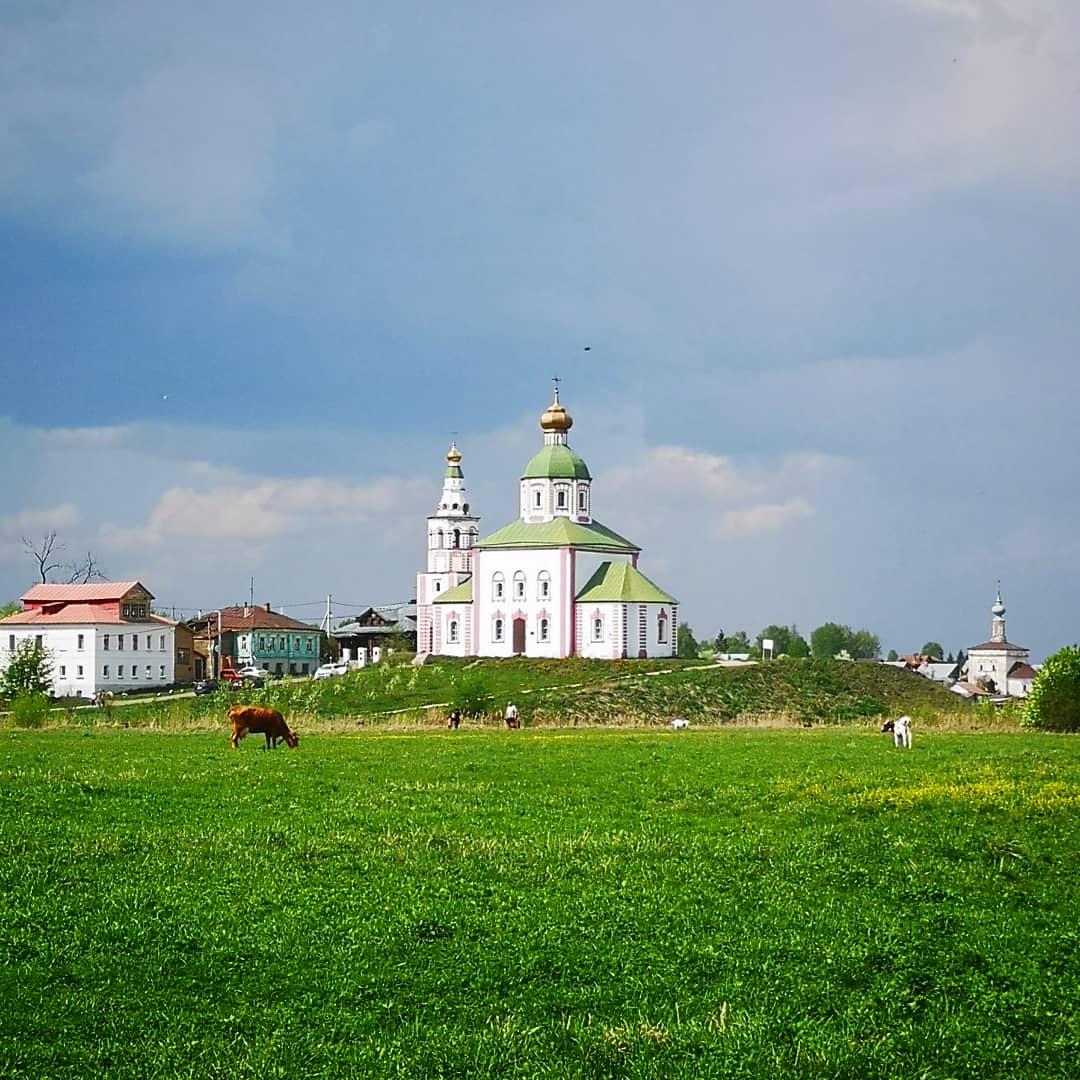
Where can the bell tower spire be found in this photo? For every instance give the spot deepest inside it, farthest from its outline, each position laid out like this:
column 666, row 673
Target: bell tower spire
column 997, row 626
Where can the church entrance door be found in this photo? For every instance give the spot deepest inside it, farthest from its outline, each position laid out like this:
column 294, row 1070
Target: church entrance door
column 519, row 637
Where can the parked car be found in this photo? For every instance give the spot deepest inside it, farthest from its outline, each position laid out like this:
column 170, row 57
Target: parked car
column 329, row 671
column 254, row 676
column 205, row 686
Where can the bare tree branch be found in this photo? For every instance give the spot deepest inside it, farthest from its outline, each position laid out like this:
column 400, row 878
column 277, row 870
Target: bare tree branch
column 84, row 571
column 42, row 552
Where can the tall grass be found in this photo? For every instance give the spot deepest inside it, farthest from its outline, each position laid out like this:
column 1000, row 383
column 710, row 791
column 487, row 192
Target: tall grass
column 539, row 903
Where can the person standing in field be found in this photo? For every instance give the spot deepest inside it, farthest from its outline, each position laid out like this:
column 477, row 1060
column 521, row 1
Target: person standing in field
column 453, row 721
column 511, row 715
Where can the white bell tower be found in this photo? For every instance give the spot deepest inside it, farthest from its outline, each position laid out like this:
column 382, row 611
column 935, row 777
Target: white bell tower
column 452, row 534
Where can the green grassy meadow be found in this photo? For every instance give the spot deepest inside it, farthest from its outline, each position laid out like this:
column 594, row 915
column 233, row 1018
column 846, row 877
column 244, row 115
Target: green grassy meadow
column 623, row 903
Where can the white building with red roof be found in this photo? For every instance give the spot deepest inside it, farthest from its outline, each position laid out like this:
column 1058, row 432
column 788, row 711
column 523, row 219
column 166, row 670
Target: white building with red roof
column 100, row 636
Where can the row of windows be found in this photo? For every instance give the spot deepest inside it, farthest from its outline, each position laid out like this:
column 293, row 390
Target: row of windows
column 134, row 611
column 562, row 499
column 455, row 539
column 119, row 671
column 543, row 629
column 307, row 644
column 543, row 586
column 106, row 642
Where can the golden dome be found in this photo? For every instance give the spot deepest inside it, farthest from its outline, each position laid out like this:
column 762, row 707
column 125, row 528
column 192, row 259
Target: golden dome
column 555, row 417
column 453, row 455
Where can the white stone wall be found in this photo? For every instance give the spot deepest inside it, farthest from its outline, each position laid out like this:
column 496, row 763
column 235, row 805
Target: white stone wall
column 609, row 644
column 445, row 615
column 532, row 605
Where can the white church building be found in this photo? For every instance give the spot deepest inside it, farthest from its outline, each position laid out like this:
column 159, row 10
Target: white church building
column 553, row 583
column 999, row 665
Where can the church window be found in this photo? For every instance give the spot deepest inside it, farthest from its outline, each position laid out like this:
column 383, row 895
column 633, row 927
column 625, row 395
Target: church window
column 497, row 630
column 545, row 629
column 457, row 539
column 438, row 586
column 519, row 586
column 560, row 499
column 583, row 500
column 544, row 585
column 598, row 629
column 438, row 538
column 538, row 498
column 497, row 586
column 452, row 635
column 661, row 628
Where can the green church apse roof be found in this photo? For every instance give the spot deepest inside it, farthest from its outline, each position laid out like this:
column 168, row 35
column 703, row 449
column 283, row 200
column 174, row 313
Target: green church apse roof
column 621, row 583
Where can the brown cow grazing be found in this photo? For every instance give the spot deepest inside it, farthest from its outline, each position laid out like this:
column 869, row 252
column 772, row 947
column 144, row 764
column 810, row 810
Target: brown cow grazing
column 269, row 722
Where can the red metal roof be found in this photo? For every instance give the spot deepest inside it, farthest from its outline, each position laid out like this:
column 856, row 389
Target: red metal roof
column 997, row 646
column 68, row 615
column 246, row 619
column 94, row 591
column 1022, row 671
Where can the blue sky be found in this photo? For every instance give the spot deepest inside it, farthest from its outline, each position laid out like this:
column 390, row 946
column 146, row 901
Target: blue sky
column 262, row 261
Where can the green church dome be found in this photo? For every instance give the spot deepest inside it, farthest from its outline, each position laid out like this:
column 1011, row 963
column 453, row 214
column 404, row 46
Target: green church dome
column 556, row 463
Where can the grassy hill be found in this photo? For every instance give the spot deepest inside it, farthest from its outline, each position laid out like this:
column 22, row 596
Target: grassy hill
column 584, row 692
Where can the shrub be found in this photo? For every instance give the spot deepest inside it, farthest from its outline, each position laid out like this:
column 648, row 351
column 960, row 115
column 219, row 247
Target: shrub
column 1054, row 701
column 470, row 694
column 29, row 710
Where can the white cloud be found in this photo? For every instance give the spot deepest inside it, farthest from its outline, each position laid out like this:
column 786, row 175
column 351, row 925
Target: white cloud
column 261, row 511
column 34, row 521
column 766, row 517
column 728, row 498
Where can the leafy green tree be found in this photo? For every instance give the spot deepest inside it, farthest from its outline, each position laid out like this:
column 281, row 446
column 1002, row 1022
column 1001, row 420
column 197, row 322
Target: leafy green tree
column 828, row 640
column 864, row 645
column 892, row 655
column 932, row 648
column 798, row 648
column 11, row 608
column 1053, row 703
column 737, row 643
column 28, row 672
column 780, row 636
column 686, row 643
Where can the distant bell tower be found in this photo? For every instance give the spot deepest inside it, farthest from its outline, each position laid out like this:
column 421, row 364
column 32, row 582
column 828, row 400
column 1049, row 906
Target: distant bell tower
column 451, row 543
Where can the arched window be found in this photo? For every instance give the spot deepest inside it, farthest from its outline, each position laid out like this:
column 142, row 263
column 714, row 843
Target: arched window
column 538, row 499
column 661, row 628
column 456, row 538
column 438, row 586
column 544, row 629
column 543, row 585
column 497, row 630
column 583, row 500
column 438, row 538
column 452, row 631
column 598, row 628
column 497, row 587
column 560, row 499
column 519, row 586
